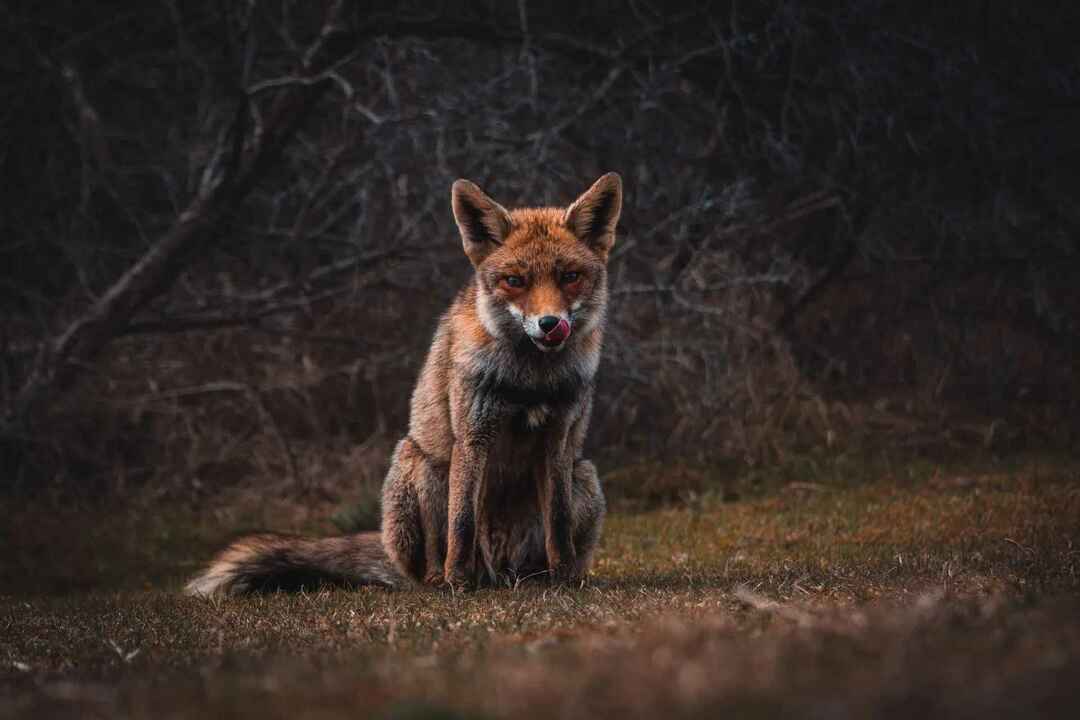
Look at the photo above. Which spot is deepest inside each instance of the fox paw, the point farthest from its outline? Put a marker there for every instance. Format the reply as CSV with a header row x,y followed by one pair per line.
x,y
571,574
458,580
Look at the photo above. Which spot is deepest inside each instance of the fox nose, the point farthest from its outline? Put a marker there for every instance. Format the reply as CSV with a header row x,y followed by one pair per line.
x,y
548,323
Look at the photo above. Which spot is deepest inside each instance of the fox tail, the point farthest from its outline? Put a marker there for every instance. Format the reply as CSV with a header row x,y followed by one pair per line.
x,y
268,562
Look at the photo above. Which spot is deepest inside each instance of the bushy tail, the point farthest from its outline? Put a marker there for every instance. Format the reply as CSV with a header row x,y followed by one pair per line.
x,y
270,562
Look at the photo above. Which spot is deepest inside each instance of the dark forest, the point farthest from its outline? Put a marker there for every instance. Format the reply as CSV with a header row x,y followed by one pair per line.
x,y
843,321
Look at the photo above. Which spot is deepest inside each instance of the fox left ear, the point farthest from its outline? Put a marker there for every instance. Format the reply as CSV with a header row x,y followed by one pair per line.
x,y
594,215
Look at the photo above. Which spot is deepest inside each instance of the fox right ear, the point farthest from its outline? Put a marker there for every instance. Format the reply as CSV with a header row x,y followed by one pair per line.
x,y
483,223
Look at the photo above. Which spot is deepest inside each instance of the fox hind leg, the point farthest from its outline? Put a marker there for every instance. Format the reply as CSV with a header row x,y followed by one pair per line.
x,y
414,514
587,510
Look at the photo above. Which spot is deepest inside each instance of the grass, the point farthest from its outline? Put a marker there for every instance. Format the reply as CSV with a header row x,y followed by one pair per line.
x,y
944,592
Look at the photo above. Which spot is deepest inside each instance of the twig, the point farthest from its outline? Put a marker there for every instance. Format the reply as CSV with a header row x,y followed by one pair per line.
x,y
582,109
286,449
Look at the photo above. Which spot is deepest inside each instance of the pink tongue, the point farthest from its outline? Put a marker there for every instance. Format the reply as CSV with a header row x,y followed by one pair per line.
x,y
560,333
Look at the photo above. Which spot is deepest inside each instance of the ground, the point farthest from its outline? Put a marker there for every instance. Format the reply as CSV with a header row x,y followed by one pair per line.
x,y
844,591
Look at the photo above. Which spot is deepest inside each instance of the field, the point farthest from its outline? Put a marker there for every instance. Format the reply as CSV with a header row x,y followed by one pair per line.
x,y
843,590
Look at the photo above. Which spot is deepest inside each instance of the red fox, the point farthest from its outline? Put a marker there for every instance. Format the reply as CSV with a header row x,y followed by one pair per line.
x,y
488,487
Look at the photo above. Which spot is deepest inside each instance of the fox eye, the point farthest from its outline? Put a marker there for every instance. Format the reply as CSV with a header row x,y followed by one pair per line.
x,y
514,281
569,277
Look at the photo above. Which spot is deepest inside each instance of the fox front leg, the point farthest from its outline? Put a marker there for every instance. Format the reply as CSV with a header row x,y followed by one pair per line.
x,y
476,414
468,462
555,476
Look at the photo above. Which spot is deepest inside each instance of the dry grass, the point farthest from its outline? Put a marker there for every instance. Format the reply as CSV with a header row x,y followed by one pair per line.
x,y
953,593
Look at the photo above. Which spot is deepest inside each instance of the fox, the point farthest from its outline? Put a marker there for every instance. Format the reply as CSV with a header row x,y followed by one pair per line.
x,y
488,487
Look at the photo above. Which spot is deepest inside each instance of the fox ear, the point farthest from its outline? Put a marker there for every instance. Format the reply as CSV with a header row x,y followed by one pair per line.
x,y
594,215
483,223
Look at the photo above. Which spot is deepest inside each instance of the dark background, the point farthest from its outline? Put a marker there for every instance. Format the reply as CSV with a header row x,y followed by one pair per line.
x,y
226,232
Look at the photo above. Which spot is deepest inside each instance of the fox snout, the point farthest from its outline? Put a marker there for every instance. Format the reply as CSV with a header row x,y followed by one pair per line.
x,y
551,330
554,328
547,330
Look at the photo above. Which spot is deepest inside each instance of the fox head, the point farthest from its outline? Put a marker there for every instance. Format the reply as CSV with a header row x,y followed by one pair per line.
x,y
540,272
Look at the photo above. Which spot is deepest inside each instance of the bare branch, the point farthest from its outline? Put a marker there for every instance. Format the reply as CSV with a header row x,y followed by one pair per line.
x,y
159,266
